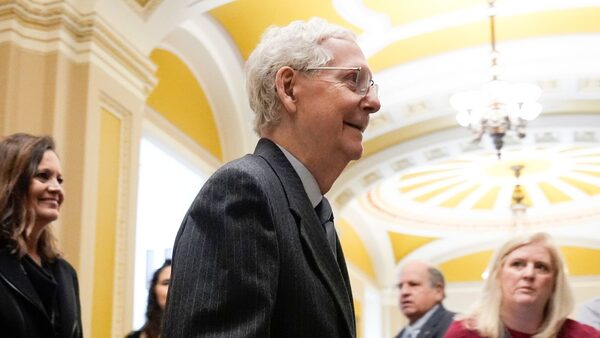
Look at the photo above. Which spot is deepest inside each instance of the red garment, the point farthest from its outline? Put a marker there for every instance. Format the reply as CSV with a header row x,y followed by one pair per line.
x,y
570,329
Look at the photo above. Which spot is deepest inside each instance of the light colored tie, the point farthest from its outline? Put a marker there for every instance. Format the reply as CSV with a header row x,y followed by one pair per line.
x,y
410,333
325,214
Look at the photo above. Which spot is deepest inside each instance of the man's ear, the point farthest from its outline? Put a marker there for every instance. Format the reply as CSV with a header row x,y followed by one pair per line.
x,y
285,80
440,293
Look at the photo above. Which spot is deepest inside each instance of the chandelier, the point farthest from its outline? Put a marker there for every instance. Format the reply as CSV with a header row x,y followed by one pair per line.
x,y
518,204
499,107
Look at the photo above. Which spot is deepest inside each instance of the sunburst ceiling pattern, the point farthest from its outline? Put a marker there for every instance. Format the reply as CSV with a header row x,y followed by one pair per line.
x,y
421,181
444,181
477,188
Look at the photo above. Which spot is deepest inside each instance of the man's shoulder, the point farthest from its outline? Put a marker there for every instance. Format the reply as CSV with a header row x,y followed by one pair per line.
x,y
439,321
442,312
249,163
266,161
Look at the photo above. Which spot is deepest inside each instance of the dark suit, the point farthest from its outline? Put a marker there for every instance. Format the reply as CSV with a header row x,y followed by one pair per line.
x,y
436,326
251,259
22,314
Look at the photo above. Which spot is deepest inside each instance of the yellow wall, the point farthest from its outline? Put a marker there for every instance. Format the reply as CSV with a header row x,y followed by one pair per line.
x,y
180,99
355,251
246,20
579,261
106,223
403,244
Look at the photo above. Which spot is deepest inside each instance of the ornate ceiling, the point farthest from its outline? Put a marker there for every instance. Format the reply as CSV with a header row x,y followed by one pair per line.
x,y
423,189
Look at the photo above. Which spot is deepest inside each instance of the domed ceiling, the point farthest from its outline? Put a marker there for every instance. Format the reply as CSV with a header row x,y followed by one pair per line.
x,y
423,189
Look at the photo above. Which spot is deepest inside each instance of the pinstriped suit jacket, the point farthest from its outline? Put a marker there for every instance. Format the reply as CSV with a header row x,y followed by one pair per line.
x,y
251,259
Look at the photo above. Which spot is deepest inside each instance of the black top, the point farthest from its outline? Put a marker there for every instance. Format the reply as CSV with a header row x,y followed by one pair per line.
x,y
43,282
134,334
38,301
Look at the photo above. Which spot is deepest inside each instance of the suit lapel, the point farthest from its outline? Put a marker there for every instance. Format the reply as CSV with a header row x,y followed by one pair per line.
x,y
311,231
13,274
431,323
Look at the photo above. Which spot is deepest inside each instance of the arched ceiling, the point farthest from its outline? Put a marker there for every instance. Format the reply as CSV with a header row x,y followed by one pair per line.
x,y
422,188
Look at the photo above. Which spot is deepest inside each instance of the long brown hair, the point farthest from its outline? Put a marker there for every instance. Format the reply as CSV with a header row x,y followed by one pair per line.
x,y
20,155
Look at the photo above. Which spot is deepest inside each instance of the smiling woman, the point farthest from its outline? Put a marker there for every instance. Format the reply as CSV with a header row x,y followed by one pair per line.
x,y
39,289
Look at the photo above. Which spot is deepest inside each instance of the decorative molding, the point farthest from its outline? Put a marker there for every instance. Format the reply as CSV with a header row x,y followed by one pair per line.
x,y
144,8
370,178
84,37
378,121
588,136
436,154
342,199
589,84
121,267
546,137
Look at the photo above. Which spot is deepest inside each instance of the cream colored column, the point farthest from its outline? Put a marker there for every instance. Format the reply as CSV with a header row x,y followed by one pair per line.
x,y
392,319
65,73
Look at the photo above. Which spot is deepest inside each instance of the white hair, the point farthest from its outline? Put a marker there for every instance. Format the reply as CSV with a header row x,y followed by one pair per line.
x,y
297,45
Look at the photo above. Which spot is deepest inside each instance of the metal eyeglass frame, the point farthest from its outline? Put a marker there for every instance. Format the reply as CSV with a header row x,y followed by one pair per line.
x,y
360,91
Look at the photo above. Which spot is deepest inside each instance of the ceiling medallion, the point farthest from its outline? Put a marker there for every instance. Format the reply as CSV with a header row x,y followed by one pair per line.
x,y
518,204
498,107
144,8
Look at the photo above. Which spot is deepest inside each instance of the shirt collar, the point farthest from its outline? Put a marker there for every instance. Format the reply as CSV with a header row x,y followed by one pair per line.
x,y
311,187
421,321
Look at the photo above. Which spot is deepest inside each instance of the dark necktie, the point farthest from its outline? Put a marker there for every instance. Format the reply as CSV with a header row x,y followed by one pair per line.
x,y
325,214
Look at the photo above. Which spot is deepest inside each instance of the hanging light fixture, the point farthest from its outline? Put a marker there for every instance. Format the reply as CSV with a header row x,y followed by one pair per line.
x,y
498,107
518,205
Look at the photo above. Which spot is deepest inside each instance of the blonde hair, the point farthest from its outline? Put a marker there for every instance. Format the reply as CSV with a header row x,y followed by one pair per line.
x,y
485,315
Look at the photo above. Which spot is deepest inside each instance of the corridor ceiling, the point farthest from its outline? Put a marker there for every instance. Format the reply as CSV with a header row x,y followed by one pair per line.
x,y
423,189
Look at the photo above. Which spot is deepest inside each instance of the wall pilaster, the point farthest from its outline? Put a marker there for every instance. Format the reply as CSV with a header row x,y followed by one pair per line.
x,y
61,69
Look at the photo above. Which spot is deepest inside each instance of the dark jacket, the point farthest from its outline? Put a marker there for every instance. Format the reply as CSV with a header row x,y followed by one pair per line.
x,y
251,259
436,326
22,312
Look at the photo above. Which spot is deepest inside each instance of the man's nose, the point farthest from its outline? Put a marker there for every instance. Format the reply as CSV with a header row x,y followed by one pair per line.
x,y
370,101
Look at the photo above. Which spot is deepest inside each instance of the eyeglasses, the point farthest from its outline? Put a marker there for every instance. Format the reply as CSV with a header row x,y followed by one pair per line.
x,y
362,83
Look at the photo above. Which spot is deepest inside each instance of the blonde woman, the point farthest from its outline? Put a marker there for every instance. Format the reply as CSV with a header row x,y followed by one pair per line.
x,y
526,295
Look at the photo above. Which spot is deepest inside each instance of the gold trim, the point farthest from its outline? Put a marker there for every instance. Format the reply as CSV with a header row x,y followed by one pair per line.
x,y
84,31
120,266
144,8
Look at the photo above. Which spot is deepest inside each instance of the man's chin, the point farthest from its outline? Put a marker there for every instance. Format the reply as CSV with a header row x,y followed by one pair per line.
x,y
356,152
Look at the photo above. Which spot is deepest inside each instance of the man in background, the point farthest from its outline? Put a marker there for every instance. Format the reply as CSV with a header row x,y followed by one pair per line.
x,y
422,290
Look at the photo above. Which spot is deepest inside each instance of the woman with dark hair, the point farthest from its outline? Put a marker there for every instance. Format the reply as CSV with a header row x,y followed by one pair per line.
x,y
39,291
157,298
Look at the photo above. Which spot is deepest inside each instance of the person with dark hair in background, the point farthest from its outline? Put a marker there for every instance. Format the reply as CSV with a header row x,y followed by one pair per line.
x,y
257,254
39,291
526,295
157,298
422,290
